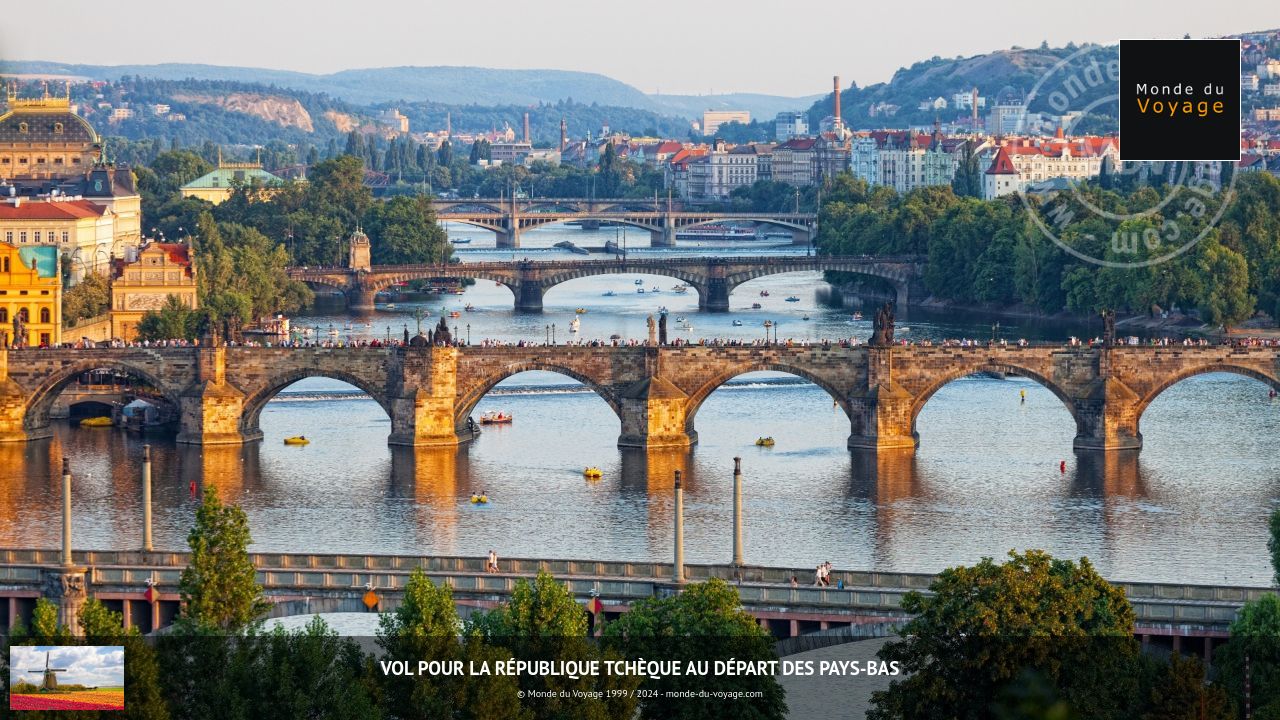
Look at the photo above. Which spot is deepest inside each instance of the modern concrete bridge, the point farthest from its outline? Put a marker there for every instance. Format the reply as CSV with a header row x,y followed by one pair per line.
x,y
868,604
656,392
509,217
712,277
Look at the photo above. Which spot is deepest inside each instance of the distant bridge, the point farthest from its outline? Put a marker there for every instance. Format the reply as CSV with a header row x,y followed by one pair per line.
x,y
507,218
714,278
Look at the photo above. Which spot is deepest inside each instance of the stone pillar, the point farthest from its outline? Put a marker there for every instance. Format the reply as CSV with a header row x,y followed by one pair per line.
x,y
881,418
666,236
211,410
509,236
529,296
13,404
1107,417
714,297
677,566
738,554
653,415
146,499
424,386
65,587
801,237
361,298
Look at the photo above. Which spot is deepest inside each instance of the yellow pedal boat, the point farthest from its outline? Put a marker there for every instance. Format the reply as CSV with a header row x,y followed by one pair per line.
x,y
297,440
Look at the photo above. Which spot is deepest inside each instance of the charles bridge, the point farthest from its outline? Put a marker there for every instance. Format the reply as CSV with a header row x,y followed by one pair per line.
x,y
430,392
508,217
714,278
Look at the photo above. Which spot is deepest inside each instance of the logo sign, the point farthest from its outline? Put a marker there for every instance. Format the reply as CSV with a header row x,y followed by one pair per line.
x,y
1180,100
1084,96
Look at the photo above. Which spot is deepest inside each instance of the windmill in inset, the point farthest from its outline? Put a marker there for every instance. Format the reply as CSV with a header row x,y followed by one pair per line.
x,y
50,674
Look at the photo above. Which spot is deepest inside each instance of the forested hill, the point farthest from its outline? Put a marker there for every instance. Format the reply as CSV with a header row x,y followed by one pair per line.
x,y
231,112
1016,69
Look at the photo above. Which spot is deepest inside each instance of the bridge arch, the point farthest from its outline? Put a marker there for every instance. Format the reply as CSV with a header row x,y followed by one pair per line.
x,y
256,400
472,396
699,396
922,397
41,400
1214,367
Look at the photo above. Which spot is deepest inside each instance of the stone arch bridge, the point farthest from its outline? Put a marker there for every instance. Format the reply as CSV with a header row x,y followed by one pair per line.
x,y
429,392
713,278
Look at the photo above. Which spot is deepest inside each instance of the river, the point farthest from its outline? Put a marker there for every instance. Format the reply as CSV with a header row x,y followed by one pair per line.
x,y
1192,507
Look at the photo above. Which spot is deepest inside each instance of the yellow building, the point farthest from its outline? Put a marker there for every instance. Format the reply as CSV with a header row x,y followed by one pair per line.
x,y
30,296
145,283
81,229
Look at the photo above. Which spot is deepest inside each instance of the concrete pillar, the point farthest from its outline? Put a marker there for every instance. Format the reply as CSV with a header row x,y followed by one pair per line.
x,y
126,614
653,415
677,567
66,512
509,236
529,297
666,236
422,411
738,554
146,499
211,409
359,298
1177,643
795,628
1107,417
13,403
801,237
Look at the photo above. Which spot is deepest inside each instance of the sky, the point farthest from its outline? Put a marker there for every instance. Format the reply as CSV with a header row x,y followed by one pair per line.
x,y
89,665
671,46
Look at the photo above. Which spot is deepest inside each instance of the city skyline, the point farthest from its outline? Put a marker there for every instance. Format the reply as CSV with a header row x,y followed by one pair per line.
x,y
878,42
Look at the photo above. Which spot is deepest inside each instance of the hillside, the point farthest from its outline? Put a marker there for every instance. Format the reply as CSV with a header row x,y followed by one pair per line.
x,y
761,107
1018,69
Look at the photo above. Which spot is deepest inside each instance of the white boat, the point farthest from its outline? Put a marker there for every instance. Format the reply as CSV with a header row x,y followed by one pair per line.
x,y
716,232
681,289
737,323
609,293
640,291
639,281
574,324
391,306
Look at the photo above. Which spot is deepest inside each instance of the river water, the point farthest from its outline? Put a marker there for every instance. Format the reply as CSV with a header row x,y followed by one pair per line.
x,y
1191,507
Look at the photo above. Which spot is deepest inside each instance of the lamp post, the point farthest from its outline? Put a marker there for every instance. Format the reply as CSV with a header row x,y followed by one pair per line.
x,y
553,333
677,567
66,512
468,333
146,499
738,554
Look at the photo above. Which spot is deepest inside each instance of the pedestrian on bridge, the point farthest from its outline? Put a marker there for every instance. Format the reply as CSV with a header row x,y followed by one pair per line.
x,y
492,566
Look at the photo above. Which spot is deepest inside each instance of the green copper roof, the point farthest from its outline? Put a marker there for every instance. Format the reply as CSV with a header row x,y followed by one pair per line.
x,y
231,177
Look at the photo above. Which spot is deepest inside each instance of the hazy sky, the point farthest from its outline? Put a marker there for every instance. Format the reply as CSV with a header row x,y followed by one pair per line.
x,y
681,46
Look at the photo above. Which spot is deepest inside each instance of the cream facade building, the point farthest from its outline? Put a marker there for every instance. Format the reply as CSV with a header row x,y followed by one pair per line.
x,y
144,283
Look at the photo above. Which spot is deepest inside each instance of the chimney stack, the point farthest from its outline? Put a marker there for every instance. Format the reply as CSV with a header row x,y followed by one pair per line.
x,y
835,82
563,135
526,127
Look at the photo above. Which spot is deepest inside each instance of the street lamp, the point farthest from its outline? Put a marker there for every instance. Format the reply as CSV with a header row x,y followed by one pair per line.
x,y
468,333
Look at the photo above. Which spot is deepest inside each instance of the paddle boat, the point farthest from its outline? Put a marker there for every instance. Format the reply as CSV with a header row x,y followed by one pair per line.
x,y
96,422
592,473
793,298
297,440
479,499
496,417
581,311
737,323
765,441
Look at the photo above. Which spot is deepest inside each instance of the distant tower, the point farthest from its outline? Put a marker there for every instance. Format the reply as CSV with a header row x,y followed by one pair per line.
x,y
359,258
526,127
974,102
448,124
835,119
564,135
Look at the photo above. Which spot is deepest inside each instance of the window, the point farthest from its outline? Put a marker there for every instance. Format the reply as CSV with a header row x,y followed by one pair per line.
x,y
22,127
45,316
4,266
22,236
66,237
4,314
57,128
44,339
37,238
8,236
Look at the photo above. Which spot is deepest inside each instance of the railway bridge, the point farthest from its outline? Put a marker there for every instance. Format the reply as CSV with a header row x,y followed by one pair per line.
x,y
713,278
429,392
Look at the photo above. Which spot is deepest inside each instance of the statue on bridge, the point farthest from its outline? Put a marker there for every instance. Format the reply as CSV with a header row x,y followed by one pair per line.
x,y
662,329
442,335
20,329
1108,328
882,326
653,331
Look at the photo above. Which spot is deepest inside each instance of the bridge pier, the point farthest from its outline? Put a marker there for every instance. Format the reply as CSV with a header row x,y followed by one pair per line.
x,y
653,416
210,411
664,237
882,419
529,297
423,412
1107,417
509,237
359,298
13,404
802,237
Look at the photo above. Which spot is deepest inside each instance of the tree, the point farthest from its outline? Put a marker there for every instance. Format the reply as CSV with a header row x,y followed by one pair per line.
x,y
1225,299
987,625
219,586
404,230
142,689
704,622
87,299
967,181
1273,543
1180,691
173,321
542,621
1253,645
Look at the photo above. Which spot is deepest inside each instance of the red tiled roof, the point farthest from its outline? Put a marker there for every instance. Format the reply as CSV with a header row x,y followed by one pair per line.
x,y
1001,164
49,210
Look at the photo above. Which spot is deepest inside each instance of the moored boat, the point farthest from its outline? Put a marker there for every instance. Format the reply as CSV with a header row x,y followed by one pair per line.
x,y
496,417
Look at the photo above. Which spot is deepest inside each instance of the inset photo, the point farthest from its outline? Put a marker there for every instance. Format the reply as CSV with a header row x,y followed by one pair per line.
x,y
66,677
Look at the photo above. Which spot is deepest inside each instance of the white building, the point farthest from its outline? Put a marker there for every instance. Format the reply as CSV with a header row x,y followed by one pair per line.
x,y
1271,89
713,119
1269,70
1001,178
964,101
790,124
1042,160
1008,117
1249,82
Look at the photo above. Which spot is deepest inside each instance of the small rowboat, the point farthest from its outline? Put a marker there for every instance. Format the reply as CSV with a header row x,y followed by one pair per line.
x,y
297,440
